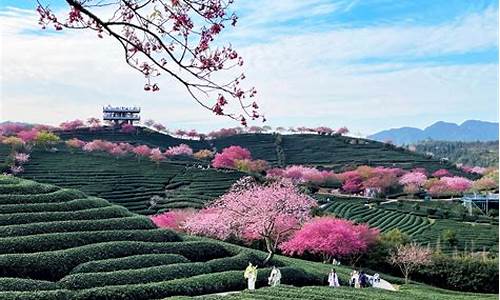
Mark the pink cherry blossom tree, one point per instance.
(28, 136)
(71, 125)
(141, 151)
(21, 158)
(75, 143)
(413, 181)
(117, 151)
(226, 158)
(441, 173)
(250, 212)
(342, 130)
(330, 238)
(156, 155)
(173, 219)
(181, 149)
(173, 38)
(409, 258)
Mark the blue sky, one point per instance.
(366, 64)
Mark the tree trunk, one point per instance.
(270, 251)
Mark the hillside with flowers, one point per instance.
(240, 186)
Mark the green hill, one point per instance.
(335, 152)
(58, 243)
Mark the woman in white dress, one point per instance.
(275, 277)
(251, 275)
(333, 279)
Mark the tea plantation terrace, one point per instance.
(58, 243)
(126, 181)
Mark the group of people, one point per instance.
(250, 274)
(357, 279)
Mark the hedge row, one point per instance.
(77, 204)
(20, 284)
(128, 263)
(65, 240)
(27, 187)
(61, 195)
(113, 211)
(56, 264)
(192, 286)
(157, 273)
(125, 223)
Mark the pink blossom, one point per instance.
(441, 173)
(21, 158)
(16, 169)
(156, 155)
(181, 149)
(75, 143)
(28, 135)
(117, 151)
(226, 158)
(142, 150)
(250, 211)
(72, 125)
(342, 130)
(172, 219)
(128, 128)
(330, 237)
(413, 178)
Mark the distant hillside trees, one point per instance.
(483, 154)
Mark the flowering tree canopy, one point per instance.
(71, 125)
(156, 155)
(172, 219)
(28, 135)
(409, 257)
(226, 158)
(169, 37)
(250, 211)
(181, 149)
(330, 237)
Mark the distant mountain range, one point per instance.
(468, 131)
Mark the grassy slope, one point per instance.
(415, 292)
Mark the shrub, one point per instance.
(61, 195)
(135, 222)
(56, 264)
(21, 284)
(129, 262)
(73, 205)
(64, 240)
(196, 285)
(466, 273)
(113, 211)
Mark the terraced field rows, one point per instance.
(194, 188)
(55, 245)
(382, 219)
(127, 182)
(421, 229)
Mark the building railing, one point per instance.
(121, 118)
(121, 109)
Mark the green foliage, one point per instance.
(469, 153)
(450, 237)
(46, 139)
(465, 273)
(129, 262)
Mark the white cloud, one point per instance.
(302, 79)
